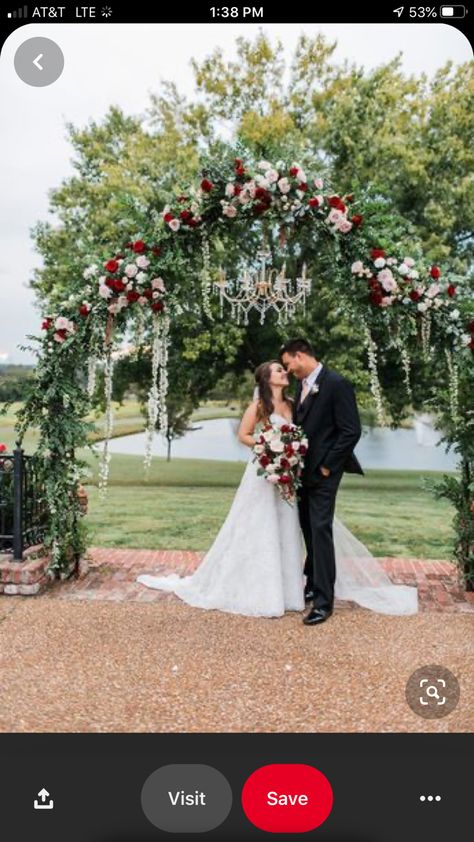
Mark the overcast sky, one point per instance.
(122, 64)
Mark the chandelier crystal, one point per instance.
(263, 289)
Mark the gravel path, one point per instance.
(131, 666)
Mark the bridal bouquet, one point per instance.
(280, 452)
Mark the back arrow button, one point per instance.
(36, 61)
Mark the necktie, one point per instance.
(304, 390)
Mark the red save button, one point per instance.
(287, 798)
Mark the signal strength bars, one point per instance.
(19, 13)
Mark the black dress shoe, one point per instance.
(308, 595)
(316, 616)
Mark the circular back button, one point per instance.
(287, 798)
(39, 62)
(186, 798)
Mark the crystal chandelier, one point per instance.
(263, 290)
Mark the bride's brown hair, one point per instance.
(265, 405)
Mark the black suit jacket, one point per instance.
(330, 419)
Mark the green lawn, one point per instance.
(185, 502)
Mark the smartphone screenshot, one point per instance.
(236, 435)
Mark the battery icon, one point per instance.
(452, 11)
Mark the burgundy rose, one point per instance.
(303, 449)
(336, 202)
(111, 266)
(237, 189)
(157, 306)
(357, 219)
(376, 297)
(147, 293)
(285, 428)
(264, 460)
(119, 285)
(284, 464)
(168, 217)
(261, 193)
(46, 324)
(84, 310)
(206, 185)
(349, 198)
(193, 223)
(313, 202)
(303, 186)
(375, 253)
(294, 171)
(139, 247)
(414, 295)
(451, 290)
(435, 272)
(260, 207)
(3, 448)
(284, 479)
(156, 250)
(132, 296)
(470, 327)
(110, 283)
(185, 215)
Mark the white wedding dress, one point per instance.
(255, 565)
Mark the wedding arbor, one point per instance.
(149, 284)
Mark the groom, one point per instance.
(325, 407)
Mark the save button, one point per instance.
(287, 798)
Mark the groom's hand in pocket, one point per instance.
(325, 471)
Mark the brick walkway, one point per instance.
(112, 574)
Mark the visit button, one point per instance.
(287, 798)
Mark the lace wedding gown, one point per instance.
(255, 565)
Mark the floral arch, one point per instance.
(151, 279)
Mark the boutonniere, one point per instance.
(314, 389)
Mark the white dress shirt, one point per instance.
(308, 382)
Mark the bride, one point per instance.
(255, 565)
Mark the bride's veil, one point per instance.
(362, 579)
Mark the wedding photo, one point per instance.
(236, 377)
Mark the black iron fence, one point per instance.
(23, 510)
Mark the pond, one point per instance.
(378, 448)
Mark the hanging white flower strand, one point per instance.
(163, 389)
(206, 275)
(406, 363)
(156, 407)
(453, 386)
(374, 378)
(108, 424)
(91, 375)
(425, 334)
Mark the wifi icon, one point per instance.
(22, 12)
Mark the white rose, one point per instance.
(334, 216)
(268, 435)
(104, 291)
(454, 314)
(423, 306)
(258, 448)
(415, 274)
(131, 270)
(264, 165)
(357, 267)
(270, 469)
(433, 290)
(403, 269)
(379, 263)
(344, 226)
(89, 272)
(408, 261)
(142, 261)
(141, 277)
(284, 185)
(229, 190)
(229, 211)
(277, 445)
(174, 224)
(262, 182)
(318, 183)
(271, 176)
(272, 478)
(466, 339)
(386, 301)
(158, 283)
